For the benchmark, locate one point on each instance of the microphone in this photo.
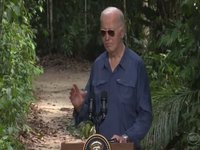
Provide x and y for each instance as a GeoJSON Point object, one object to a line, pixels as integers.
{"type": "Point", "coordinates": [92, 106]}
{"type": "Point", "coordinates": [104, 104]}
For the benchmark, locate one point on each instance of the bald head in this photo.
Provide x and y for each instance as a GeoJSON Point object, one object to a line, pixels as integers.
{"type": "Point", "coordinates": [113, 11]}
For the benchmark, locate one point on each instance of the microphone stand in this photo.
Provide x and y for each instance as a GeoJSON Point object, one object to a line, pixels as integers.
{"type": "Point", "coordinates": [98, 118]}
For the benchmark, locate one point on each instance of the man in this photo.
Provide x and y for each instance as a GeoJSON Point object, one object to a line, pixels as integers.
{"type": "Point", "coordinates": [121, 73]}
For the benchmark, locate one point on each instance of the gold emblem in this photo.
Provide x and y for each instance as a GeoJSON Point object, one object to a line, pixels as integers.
{"type": "Point", "coordinates": [96, 142]}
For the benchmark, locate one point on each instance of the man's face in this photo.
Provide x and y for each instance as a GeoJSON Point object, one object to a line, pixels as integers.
{"type": "Point", "coordinates": [111, 32]}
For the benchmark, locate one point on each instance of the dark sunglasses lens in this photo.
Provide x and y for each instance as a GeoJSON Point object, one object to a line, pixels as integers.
{"type": "Point", "coordinates": [103, 33]}
{"type": "Point", "coordinates": [111, 32]}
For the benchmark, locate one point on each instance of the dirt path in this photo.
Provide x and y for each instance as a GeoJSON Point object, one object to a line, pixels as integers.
{"type": "Point", "coordinates": [52, 109]}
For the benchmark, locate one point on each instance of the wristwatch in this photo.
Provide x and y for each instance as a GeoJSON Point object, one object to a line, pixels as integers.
{"type": "Point", "coordinates": [124, 136]}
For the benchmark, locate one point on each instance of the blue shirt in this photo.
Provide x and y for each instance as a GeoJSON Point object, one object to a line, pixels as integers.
{"type": "Point", "coordinates": [129, 108]}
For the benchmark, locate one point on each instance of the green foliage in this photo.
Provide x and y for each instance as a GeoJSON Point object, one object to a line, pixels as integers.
{"type": "Point", "coordinates": [184, 46]}
{"type": "Point", "coordinates": [172, 125]}
{"type": "Point", "coordinates": [70, 43]}
{"type": "Point", "coordinates": [74, 30]}
{"type": "Point", "coordinates": [162, 73]}
{"type": "Point", "coordinates": [36, 9]}
{"type": "Point", "coordinates": [8, 139]}
{"type": "Point", "coordinates": [84, 130]}
{"type": "Point", "coordinates": [17, 68]}
{"type": "Point", "coordinates": [87, 129]}
{"type": "Point", "coordinates": [175, 80]}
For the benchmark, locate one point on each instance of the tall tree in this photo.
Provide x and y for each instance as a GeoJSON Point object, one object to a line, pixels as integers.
{"type": "Point", "coordinates": [1, 14]}
{"type": "Point", "coordinates": [50, 24]}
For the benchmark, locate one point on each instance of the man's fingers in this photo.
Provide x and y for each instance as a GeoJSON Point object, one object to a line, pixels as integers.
{"type": "Point", "coordinates": [116, 137]}
{"type": "Point", "coordinates": [76, 88]}
{"type": "Point", "coordinates": [119, 139]}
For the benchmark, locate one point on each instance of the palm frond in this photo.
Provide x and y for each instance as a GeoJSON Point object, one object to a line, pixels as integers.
{"type": "Point", "coordinates": [167, 122]}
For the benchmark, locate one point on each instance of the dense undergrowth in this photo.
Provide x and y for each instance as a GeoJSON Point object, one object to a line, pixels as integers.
{"type": "Point", "coordinates": [17, 69]}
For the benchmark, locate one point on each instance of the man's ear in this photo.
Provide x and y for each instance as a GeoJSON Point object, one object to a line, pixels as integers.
{"type": "Point", "coordinates": [123, 32]}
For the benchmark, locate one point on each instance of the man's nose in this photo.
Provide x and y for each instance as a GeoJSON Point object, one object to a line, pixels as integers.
{"type": "Point", "coordinates": [107, 36]}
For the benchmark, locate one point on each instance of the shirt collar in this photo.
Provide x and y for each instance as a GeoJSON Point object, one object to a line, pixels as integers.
{"type": "Point", "coordinates": [106, 62]}
{"type": "Point", "coordinates": [123, 63]}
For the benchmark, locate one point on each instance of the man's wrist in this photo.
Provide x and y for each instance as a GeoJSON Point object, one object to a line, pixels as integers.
{"type": "Point", "coordinates": [78, 108]}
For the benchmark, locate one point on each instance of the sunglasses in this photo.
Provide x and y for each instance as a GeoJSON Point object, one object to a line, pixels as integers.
{"type": "Point", "coordinates": [110, 33]}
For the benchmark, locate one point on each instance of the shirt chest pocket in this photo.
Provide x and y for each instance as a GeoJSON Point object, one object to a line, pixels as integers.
{"type": "Point", "coordinates": [127, 90]}
{"type": "Point", "coordinates": [99, 86]}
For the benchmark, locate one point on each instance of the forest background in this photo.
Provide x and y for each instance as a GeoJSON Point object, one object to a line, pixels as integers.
{"type": "Point", "coordinates": [165, 33]}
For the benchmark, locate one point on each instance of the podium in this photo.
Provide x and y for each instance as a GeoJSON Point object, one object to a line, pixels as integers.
{"type": "Point", "coordinates": [114, 146]}
{"type": "Point", "coordinates": [97, 142]}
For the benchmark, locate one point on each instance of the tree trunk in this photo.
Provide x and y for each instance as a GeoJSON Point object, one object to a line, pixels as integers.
{"type": "Point", "coordinates": [48, 27]}
{"type": "Point", "coordinates": [51, 23]}
{"type": "Point", "coordinates": [1, 15]}
{"type": "Point", "coordinates": [125, 17]}
{"type": "Point", "coordinates": [86, 18]}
